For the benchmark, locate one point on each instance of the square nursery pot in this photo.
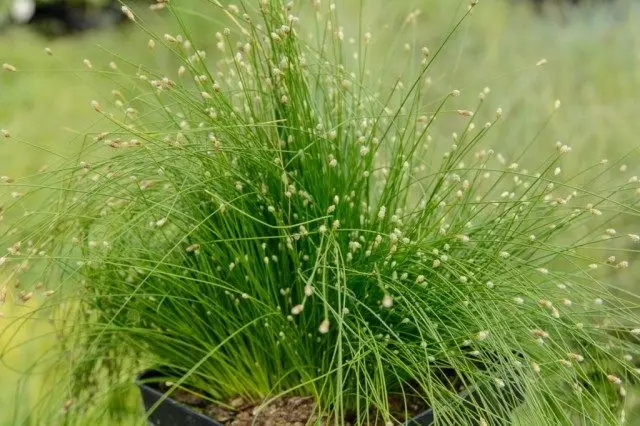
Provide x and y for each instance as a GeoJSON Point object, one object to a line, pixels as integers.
{"type": "Point", "coordinates": [172, 413]}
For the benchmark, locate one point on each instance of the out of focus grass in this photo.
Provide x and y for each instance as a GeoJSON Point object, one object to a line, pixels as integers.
{"type": "Point", "coordinates": [592, 57]}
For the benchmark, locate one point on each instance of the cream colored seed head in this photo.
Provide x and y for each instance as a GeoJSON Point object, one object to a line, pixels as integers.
{"type": "Point", "coordinates": [614, 379]}
{"type": "Point", "coordinates": [324, 326]}
{"type": "Point", "coordinates": [8, 67]}
{"type": "Point", "coordinates": [128, 13]}
{"type": "Point", "coordinates": [540, 333]}
{"type": "Point", "coordinates": [482, 335]}
{"type": "Point", "coordinates": [382, 212]}
{"type": "Point", "coordinates": [576, 357]}
{"type": "Point", "coordinates": [387, 301]}
{"type": "Point", "coordinates": [566, 363]}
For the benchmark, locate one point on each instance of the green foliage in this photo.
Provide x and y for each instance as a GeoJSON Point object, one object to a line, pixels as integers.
{"type": "Point", "coordinates": [280, 223]}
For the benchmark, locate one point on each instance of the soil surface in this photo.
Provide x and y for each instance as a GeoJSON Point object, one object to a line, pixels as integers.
{"type": "Point", "coordinates": [285, 411]}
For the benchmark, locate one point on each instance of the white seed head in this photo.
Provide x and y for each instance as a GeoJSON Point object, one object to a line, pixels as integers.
{"type": "Point", "coordinates": [614, 379]}
{"type": "Point", "coordinates": [324, 326]}
{"type": "Point", "coordinates": [128, 13]}
{"type": "Point", "coordinates": [308, 290]}
{"type": "Point", "coordinates": [482, 335]}
{"type": "Point", "coordinates": [387, 301]}
{"type": "Point", "coordinates": [382, 212]}
{"type": "Point", "coordinates": [566, 363]}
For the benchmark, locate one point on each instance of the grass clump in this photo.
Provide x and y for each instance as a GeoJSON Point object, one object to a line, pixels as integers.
{"type": "Point", "coordinates": [278, 223]}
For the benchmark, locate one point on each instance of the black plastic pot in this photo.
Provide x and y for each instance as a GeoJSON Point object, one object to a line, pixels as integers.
{"type": "Point", "coordinates": [172, 413]}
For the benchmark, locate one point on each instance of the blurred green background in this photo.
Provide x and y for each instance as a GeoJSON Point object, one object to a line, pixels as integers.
{"type": "Point", "coordinates": [588, 57]}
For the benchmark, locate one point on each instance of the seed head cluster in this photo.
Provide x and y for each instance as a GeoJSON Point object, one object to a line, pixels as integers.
{"type": "Point", "coordinates": [272, 209]}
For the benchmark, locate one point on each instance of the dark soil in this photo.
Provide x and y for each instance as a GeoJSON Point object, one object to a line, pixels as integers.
{"type": "Point", "coordinates": [284, 411]}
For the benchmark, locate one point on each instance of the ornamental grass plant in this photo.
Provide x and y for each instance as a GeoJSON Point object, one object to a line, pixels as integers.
{"type": "Point", "coordinates": [280, 221]}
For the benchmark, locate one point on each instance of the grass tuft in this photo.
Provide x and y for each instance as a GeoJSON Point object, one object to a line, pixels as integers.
{"type": "Point", "coordinates": [278, 222]}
